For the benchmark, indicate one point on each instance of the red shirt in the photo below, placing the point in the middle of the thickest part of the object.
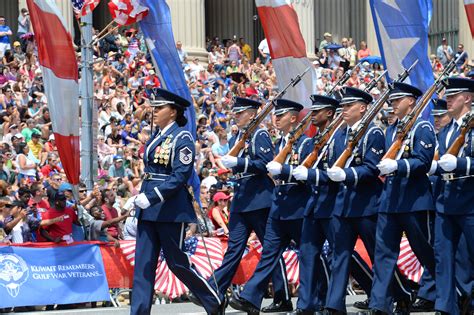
(111, 213)
(62, 228)
(47, 169)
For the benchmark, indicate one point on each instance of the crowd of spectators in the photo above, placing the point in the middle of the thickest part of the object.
(36, 201)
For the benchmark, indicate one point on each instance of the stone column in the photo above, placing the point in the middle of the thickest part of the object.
(305, 11)
(188, 20)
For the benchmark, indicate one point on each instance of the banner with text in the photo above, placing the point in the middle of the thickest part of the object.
(53, 275)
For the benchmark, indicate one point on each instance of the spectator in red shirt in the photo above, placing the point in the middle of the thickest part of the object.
(51, 167)
(151, 77)
(50, 145)
(108, 200)
(60, 231)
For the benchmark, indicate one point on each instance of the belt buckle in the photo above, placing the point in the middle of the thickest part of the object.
(448, 176)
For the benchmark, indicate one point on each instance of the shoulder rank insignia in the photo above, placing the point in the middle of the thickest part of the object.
(425, 145)
(185, 156)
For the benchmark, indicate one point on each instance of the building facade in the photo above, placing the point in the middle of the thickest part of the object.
(195, 20)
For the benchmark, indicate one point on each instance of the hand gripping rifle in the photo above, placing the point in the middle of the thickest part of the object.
(324, 137)
(467, 124)
(409, 120)
(357, 134)
(253, 125)
(296, 133)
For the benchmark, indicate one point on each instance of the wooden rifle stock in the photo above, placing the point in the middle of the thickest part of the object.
(321, 141)
(436, 156)
(409, 120)
(458, 143)
(282, 155)
(357, 134)
(252, 126)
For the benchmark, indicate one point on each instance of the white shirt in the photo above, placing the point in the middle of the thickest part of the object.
(451, 129)
(263, 46)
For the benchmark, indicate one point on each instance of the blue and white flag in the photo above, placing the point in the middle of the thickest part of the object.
(402, 33)
(156, 28)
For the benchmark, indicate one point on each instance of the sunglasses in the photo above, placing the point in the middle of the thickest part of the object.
(82, 191)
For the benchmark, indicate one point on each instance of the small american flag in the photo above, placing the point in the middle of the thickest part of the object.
(84, 7)
(408, 263)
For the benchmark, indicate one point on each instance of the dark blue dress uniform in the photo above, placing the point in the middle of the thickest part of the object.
(251, 202)
(454, 206)
(169, 160)
(406, 204)
(285, 218)
(357, 202)
(315, 269)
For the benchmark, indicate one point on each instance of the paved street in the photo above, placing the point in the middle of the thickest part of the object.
(183, 308)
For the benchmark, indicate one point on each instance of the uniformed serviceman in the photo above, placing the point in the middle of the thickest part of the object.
(315, 269)
(406, 204)
(286, 215)
(252, 197)
(357, 201)
(455, 205)
(164, 207)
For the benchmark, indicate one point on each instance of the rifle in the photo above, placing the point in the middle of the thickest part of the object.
(296, 133)
(323, 138)
(467, 124)
(357, 134)
(247, 131)
(409, 120)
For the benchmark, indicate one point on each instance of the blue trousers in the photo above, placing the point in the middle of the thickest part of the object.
(448, 231)
(278, 235)
(390, 227)
(151, 238)
(345, 232)
(241, 224)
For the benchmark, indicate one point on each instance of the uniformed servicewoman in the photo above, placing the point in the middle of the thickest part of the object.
(455, 205)
(164, 207)
(286, 215)
(357, 201)
(252, 196)
(406, 204)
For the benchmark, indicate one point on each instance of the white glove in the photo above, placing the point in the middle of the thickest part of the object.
(434, 166)
(229, 161)
(130, 203)
(274, 168)
(448, 162)
(336, 174)
(300, 173)
(142, 201)
(387, 166)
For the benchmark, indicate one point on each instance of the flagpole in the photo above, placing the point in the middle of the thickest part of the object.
(87, 97)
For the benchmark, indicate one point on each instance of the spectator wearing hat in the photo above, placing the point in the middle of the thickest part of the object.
(50, 145)
(18, 53)
(67, 189)
(444, 52)
(62, 230)
(37, 150)
(326, 41)
(12, 130)
(219, 213)
(117, 169)
(51, 167)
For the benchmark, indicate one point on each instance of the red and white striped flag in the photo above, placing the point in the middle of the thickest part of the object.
(58, 62)
(469, 7)
(126, 12)
(287, 48)
(84, 7)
